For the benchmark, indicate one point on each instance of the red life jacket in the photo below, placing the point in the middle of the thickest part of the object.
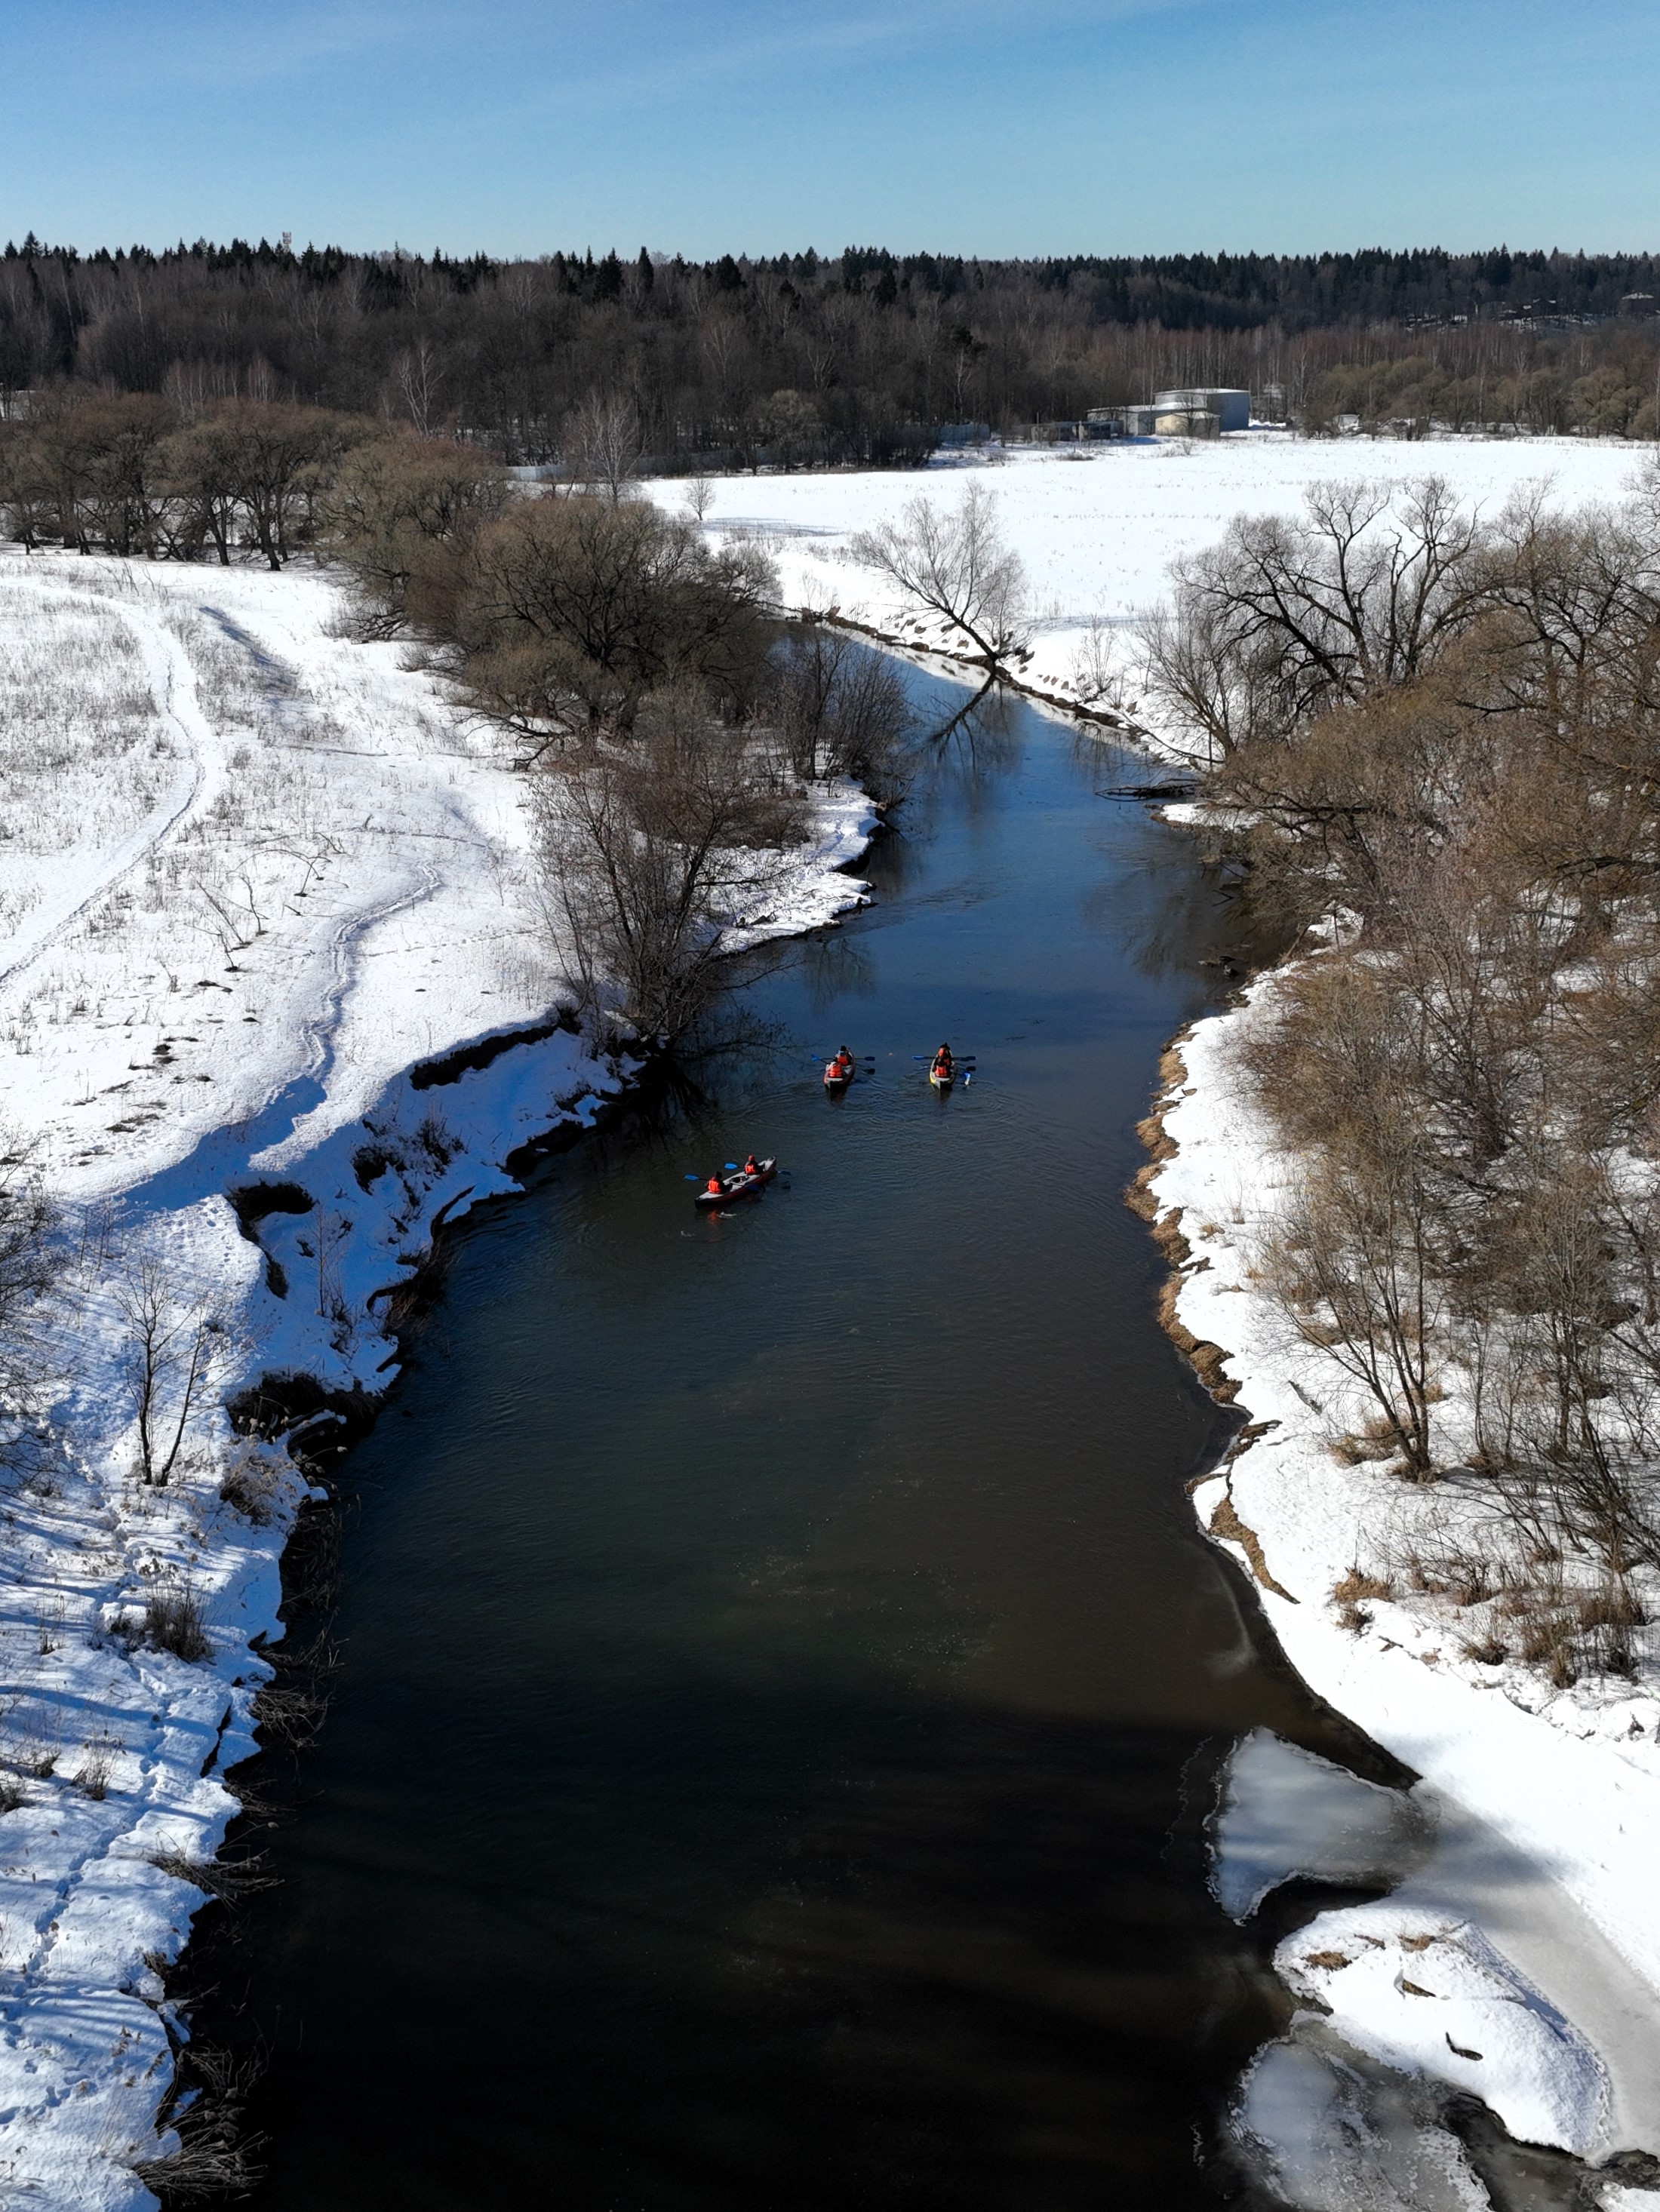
(716, 1185)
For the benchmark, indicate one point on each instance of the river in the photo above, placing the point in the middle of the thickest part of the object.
(784, 1687)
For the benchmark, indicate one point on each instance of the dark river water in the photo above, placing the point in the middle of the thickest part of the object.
(784, 1687)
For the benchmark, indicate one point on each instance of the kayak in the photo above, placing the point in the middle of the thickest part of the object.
(737, 1186)
(837, 1078)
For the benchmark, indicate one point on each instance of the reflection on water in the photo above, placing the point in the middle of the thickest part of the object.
(785, 1690)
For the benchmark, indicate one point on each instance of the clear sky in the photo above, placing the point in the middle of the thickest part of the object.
(705, 127)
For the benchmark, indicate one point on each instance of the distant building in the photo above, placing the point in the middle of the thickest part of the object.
(1232, 408)
(1186, 421)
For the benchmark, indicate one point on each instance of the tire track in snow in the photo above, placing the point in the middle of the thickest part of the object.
(173, 686)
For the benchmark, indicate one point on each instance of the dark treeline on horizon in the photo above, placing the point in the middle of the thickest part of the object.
(862, 357)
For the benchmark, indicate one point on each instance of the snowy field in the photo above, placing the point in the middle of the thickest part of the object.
(257, 882)
(1097, 527)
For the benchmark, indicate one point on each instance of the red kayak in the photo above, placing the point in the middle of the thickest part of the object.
(737, 1186)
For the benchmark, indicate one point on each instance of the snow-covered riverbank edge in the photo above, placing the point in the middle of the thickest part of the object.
(407, 1049)
(1537, 1906)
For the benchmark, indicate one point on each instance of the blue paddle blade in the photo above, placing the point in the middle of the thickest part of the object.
(732, 1167)
(691, 1178)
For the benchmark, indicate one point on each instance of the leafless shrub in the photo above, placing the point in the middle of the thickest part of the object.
(1101, 670)
(1358, 1583)
(93, 1776)
(254, 1486)
(215, 2158)
(437, 1141)
(292, 1706)
(174, 1621)
(223, 1879)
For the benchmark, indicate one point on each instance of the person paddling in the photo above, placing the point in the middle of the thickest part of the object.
(944, 1066)
(752, 1166)
(714, 1188)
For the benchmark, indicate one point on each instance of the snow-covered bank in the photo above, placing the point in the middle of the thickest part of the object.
(237, 849)
(1542, 1897)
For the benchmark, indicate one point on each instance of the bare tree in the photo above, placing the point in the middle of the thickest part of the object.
(173, 1346)
(395, 503)
(567, 612)
(1284, 620)
(655, 849)
(1354, 1267)
(420, 373)
(602, 443)
(957, 566)
(841, 710)
(27, 1219)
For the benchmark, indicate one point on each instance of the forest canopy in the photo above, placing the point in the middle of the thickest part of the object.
(859, 357)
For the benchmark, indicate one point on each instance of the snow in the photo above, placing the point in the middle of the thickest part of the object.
(1431, 1994)
(1097, 527)
(260, 880)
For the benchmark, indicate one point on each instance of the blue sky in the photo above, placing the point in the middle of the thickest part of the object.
(712, 126)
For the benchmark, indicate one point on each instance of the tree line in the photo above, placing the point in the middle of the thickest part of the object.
(862, 357)
(1437, 740)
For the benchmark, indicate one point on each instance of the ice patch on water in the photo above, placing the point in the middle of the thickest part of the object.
(1335, 2137)
(1287, 1812)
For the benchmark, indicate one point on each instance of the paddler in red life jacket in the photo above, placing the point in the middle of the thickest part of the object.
(843, 1061)
(714, 1188)
(752, 1166)
(943, 1062)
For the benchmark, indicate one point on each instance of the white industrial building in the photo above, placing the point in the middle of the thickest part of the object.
(1231, 408)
